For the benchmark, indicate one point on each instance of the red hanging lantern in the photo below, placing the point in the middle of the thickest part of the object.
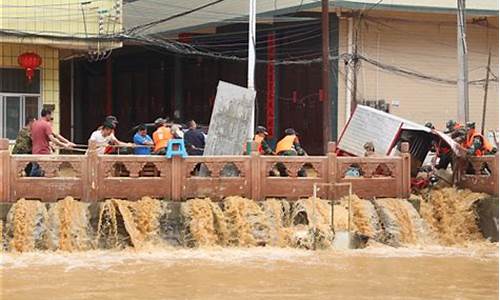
(29, 61)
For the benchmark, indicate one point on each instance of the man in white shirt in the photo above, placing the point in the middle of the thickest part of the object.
(104, 136)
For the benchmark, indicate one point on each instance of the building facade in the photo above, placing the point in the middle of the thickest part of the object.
(409, 65)
(423, 43)
(53, 30)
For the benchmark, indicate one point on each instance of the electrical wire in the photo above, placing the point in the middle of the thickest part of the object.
(414, 74)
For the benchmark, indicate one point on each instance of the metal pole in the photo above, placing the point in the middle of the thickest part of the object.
(483, 121)
(327, 124)
(349, 72)
(463, 81)
(251, 62)
(72, 99)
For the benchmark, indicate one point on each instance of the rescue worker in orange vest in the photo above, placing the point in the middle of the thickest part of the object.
(289, 145)
(475, 143)
(161, 136)
(260, 138)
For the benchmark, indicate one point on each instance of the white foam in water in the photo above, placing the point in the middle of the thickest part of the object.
(342, 240)
(474, 251)
(103, 259)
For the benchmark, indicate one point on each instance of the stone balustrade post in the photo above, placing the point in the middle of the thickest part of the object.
(404, 189)
(91, 179)
(176, 178)
(4, 170)
(255, 169)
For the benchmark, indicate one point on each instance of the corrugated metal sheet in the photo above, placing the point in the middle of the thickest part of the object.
(369, 125)
(145, 11)
(382, 129)
(475, 7)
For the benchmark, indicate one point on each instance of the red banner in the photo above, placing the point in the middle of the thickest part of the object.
(271, 56)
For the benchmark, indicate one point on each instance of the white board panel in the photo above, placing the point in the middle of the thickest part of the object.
(369, 125)
(231, 114)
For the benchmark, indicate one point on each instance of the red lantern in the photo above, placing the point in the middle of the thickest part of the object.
(29, 61)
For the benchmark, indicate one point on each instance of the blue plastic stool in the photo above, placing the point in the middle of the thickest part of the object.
(179, 152)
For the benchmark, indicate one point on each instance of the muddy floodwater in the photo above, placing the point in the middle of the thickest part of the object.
(244, 249)
(255, 273)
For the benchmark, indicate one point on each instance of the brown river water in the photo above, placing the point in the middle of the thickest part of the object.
(241, 249)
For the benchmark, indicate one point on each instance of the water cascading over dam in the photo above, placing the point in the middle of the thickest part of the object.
(445, 218)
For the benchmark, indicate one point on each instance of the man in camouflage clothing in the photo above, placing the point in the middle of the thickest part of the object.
(23, 143)
(23, 140)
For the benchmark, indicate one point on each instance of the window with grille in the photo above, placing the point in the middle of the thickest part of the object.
(20, 100)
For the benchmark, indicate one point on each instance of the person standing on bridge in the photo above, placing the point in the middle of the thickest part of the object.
(194, 139)
(142, 138)
(23, 143)
(161, 136)
(41, 135)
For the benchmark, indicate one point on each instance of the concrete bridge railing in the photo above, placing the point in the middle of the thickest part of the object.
(480, 174)
(93, 177)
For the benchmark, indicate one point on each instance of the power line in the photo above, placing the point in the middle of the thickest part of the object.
(415, 74)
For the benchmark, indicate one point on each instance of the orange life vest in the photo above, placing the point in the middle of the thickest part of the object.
(469, 141)
(161, 137)
(285, 143)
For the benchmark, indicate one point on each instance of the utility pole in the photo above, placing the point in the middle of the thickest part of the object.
(463, 80)
(327, 123)
(355, 66)
(486, 93)
(348, 70)
(251, 64)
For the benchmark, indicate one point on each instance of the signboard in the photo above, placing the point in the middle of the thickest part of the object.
(369, 125)
(230, 119)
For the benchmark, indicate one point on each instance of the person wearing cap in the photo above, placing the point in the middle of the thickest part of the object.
(369, 149)
(452, 125)
(475, 143)
(104, 137)
(141, 137)
(289, 145)
(429, 125)
(177, 132)
(114, 122)
(194, 139)
(260, 138)
(456, 131)
(161, 136)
